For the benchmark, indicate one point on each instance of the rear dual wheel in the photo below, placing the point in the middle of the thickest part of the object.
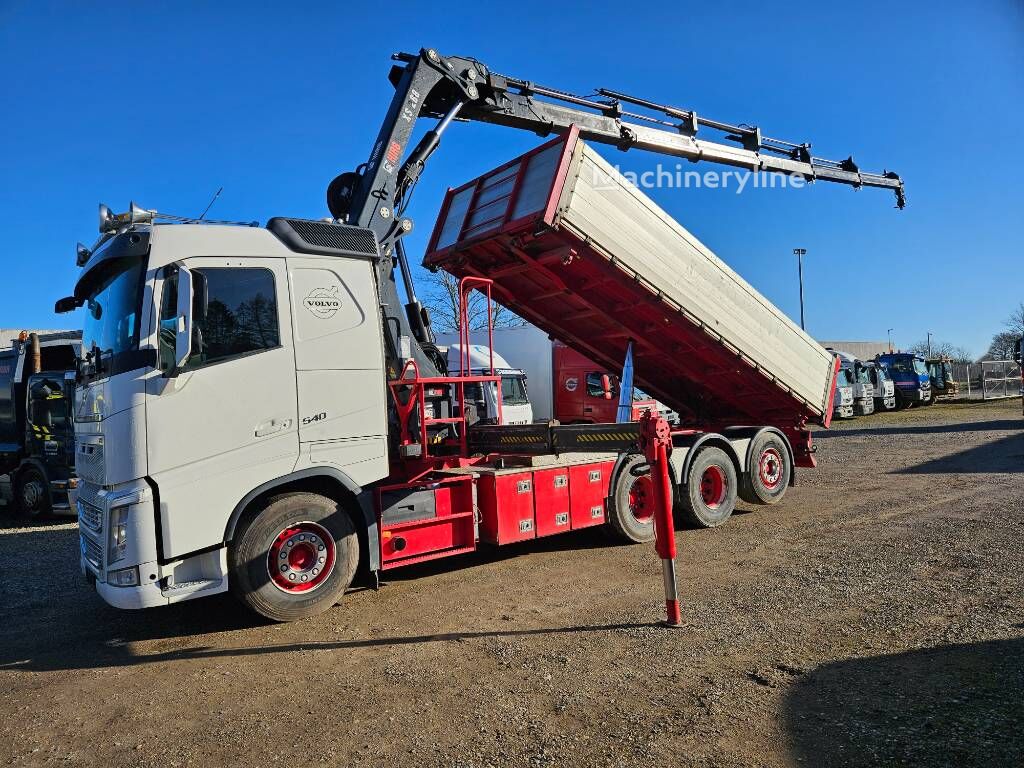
(295, 557)
(709, 497)
(632, 512)
(767, 477)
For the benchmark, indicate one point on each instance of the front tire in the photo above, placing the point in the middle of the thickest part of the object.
(32, 493)
(709, 497)
(767, 477)
(632, 513)
(295, 557)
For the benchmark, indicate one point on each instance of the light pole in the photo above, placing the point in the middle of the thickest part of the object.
(929, 343)
(890, 337)
(800, 268)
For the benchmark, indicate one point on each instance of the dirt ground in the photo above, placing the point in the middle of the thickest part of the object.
(876, 617)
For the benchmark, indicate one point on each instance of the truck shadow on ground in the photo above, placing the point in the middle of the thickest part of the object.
(93, 635)
(996, 425)
(1005, 455)
(951, 705)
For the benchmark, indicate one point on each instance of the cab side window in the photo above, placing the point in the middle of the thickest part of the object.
(234, 313)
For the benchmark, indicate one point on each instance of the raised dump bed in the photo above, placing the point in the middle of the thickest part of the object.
(577, 250)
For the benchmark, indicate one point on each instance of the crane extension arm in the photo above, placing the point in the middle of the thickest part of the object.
(448, 88)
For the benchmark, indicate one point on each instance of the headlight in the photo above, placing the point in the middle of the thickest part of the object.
(117, 542)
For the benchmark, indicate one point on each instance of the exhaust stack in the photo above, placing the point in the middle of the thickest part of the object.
(35, 355)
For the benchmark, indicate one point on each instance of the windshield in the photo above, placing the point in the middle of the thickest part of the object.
(112, 310)
(48, 405)
(904, 365)
(883, 375)
(844, 379)
(862, 375)
(513, 390)
(920, 367)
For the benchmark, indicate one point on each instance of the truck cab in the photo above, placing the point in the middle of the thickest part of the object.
(863, 389)
(583, 393)
(515, 399)
(885, 390)
(910, 377)
(37, 443)
(842, 401)
(940, 374)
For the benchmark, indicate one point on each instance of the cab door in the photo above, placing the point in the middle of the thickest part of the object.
(225, 420)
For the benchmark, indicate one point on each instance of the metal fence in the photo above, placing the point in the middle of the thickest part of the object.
(991, 380)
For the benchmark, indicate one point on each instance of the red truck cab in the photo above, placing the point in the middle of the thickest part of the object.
(583, 393)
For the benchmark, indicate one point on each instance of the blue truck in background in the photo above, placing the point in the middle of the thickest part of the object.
(910, 375)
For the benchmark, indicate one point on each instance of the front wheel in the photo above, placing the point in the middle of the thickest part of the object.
(32, 493)
(767, 477)
(709, 497)
(295, 557)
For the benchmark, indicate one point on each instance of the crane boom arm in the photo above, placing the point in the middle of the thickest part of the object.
(456, 88)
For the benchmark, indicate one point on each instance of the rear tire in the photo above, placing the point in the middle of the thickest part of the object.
(767, 477)
(632, 513)
(295, 557)
(32, 493)
(709, 497)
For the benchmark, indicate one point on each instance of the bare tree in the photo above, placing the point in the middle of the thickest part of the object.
(955, 353)
(1003, 346)
(441, 298)
(1015, 322)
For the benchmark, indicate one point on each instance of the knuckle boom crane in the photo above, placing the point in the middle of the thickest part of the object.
(430, 85)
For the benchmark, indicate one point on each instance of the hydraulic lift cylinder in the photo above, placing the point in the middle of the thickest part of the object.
(656, 441)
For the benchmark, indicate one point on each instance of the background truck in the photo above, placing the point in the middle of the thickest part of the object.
(37, 440)
(259, 411)
(863, 389)
(885, 390)
(842, 399)
(562, 383)
(513, 407)
(940, 375)
(910, 377)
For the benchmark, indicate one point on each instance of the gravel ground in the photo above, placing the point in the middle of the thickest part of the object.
(876, 617)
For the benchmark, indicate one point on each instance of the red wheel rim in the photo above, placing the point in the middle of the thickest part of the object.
(712, 487)
(301, 557)
(641, 499)
(769, 468)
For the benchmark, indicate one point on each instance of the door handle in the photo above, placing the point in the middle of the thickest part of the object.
(272, 426)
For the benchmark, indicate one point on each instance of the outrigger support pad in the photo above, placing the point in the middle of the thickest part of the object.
(656, 443)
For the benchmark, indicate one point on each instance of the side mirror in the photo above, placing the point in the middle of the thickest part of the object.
(183, 331)
(606, 386)
(67, 304)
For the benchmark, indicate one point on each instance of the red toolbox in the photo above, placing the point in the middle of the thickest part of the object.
(425, 521)
(506, 506)
(588, 487)
(551, 500)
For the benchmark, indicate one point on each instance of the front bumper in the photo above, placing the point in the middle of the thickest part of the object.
(147, 583)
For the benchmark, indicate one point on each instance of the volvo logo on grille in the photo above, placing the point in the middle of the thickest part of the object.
(323, 302)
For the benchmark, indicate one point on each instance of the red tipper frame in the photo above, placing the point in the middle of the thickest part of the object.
(579, 295)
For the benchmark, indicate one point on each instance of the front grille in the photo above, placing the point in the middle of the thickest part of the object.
(93, 554)
(90, 516)
(335, 236)
(89, 462)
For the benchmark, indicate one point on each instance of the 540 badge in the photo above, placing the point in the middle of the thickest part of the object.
(323, 302)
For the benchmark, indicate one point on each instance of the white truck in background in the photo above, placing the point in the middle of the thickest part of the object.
(863, 389)
(885, 388)
(515, 399)
(842, 400)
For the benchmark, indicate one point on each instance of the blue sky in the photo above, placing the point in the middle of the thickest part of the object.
(163, 103)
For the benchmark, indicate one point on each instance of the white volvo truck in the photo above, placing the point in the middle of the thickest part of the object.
(258, 410)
